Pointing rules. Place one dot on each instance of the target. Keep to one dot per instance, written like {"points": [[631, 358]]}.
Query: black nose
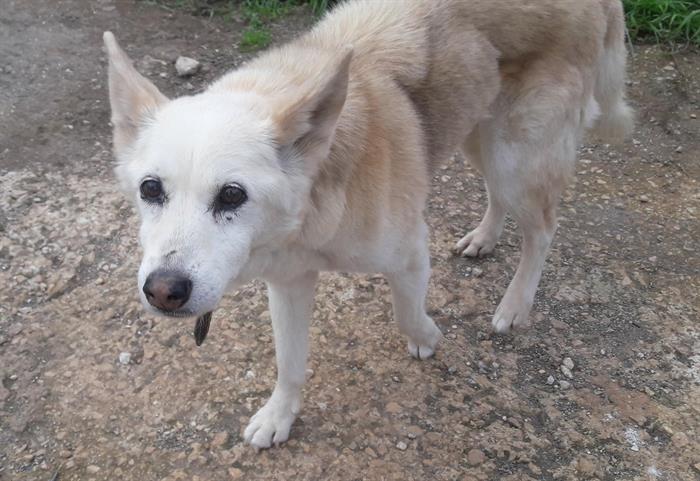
{"points": [[167, 290]]}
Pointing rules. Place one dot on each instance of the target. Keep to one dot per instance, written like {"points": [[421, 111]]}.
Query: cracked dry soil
{"points": [[619, 299]]}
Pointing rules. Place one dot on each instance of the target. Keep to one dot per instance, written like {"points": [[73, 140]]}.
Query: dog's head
{"points": [[218, 177]]}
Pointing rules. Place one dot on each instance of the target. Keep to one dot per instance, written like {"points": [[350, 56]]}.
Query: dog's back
{"points": [[450, 55]]}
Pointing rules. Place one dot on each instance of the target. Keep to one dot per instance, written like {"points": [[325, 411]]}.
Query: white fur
{"points": [[346, 192]]}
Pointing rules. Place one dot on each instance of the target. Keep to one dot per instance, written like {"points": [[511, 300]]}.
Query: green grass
{"points": [[664, 21], [256, 14], [255, 38]]}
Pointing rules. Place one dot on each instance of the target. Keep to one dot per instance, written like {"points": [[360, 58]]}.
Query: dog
{"points": [[317, 155]]}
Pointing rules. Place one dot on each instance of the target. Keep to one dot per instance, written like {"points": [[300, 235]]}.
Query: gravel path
{"points": [[605, 386]]}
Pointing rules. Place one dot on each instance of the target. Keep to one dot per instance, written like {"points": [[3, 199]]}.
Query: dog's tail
{"points": [[616, 119]]}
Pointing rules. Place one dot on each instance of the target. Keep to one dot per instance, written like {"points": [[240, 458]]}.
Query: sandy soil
{"points": [[619, 298]]}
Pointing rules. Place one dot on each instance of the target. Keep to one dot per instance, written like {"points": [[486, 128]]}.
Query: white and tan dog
{"points": [[317, 156]]}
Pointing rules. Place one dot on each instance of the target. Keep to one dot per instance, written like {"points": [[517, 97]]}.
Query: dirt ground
{"points": [[619, 299]]}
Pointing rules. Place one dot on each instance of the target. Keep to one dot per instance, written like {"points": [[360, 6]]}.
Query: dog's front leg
{"points": [[290, 307]]}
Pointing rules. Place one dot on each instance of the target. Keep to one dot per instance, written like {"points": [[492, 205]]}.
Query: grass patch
{"points": [[256, 14], [255, 38], [664, 21]]}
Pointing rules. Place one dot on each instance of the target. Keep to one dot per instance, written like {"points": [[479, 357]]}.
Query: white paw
{"points": [[511, 314], [271, 424], [477, 243], [422, 347]]}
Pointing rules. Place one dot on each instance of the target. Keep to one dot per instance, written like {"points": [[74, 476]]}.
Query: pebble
{"points": [[567, 372], [693, 116], [475, 457], [568, 362], [550, 380], [235, 473], [219, 439], [564, 384], [92, 469], [679, 149], [401, 446], [186, 66], [124, 358], [643, 198]]}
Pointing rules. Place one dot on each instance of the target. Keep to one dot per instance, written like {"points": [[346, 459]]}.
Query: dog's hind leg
{"points": [[409, 286], [528, 179], [483, 239], [290, 307], [537, 221]]}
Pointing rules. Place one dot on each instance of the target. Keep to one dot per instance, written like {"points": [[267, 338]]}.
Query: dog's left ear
{"points": [[132, 97], [308, 124]]}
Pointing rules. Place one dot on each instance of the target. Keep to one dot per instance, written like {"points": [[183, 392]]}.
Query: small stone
{"points": [[235, 473], [219, 439], [679, 439], [585, 465], [401, 446], [475, 457], [566, 372], [693, 116], [550, 380], [564, 384], [679, 149], [65, 454], [92, 469], [124, 358], [643, 198], [249, 375], [186, 66], [568, 362], [476, 272]]}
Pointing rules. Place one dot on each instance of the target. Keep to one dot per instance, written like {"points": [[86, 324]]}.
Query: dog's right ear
{"points": [[132, 97]]}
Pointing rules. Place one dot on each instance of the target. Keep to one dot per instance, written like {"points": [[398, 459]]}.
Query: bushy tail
{"points": [[616, 119]]}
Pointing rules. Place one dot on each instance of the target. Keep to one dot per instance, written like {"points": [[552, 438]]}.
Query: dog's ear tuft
{"points": [[309, 123], [132, 97]]}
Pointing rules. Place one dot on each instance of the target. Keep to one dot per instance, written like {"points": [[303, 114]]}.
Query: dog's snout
{"points": [[167, 290]]}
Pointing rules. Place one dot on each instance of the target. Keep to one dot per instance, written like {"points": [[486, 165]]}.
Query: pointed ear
{"points": [[308, 124], [132, 97]]}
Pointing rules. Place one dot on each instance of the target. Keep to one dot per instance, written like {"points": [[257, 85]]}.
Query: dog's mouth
{"points": [[201, 328]]}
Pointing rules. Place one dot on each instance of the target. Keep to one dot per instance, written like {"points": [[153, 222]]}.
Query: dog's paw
{"points": [[477, 243], [511, 314], [424, 347], [271, 424]]}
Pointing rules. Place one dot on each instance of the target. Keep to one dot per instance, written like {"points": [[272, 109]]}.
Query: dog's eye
{"points": [[152, 191], [230, 197]]}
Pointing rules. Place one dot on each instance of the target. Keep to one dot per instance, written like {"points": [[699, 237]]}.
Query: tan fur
{"points": [[336, 134], [437, 66]]}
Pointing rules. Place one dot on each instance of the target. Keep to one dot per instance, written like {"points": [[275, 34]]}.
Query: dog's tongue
{"points": [[201, 328]]}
